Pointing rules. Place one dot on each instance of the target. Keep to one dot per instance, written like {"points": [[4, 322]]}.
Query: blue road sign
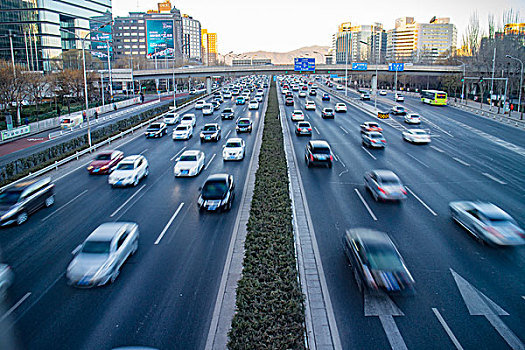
{"points": [[359, 66], [396, 67], [304, 64], [334, 76], [275, 78]]}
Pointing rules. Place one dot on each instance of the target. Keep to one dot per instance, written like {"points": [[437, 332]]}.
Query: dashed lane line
{"points": [[365, 204], [493, 178]]}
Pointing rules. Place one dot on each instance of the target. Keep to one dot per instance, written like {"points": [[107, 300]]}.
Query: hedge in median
{"points": [[270, 309]]}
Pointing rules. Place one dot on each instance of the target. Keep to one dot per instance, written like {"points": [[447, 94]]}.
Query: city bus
{"points": [[434, 97]]}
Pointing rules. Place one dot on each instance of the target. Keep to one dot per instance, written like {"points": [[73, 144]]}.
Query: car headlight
{"points": [[10, 213], [200, 201], [202, 135], [90, 167], [104, 167]]}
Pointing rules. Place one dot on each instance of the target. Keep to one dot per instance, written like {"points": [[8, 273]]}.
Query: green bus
{"points": [[434, 97]]}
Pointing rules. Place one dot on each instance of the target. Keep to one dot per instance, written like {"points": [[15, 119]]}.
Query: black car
{"points": [[326, 97], [156, 130], [227, 113], [318, 152], [313, 92], [244, 125], [376, 261], [288, 101], [328, 113], [17, 202], [217, 193], [210, 132]]}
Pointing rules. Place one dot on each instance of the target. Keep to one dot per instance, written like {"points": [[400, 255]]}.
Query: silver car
{"points": [[487, 222], [99, 259], [385, 185]]}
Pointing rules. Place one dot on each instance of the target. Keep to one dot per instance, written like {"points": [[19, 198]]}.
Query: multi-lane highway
{"points": [[468, 295], [165, 294]]}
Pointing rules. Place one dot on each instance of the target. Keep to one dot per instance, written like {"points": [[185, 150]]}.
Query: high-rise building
{"points": [[423, 43], [191, 38], [129, 35], [35, 28], [209, 48], [364, 43]]}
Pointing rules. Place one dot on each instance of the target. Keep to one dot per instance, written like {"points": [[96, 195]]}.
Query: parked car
{"points": [[303, 128], [244, 125], [100, 258], [217, 193], [318, 152], [182, 132], [227, 113], [327, 113], [19, 201], [376, 262], [370, 126], [373, 139], [416, 136], [487, 222], [105, 161], [190, 163], [171, 118], [129, 171], [156, 130], [340, 108], [210, 132], [233, 149], [384, 185]]}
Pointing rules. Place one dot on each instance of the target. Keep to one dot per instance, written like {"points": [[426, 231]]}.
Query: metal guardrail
{"points": [[108, 141]]}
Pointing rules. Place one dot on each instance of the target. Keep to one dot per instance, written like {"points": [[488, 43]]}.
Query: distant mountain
{"points": [[280, 57]]}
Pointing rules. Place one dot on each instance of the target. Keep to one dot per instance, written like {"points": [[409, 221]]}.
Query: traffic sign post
{"points": [[304, 64]]}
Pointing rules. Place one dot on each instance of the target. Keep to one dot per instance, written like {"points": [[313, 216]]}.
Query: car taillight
{"points": [[382, 190], [331, 157], [403, 190], [311, 157], [309, 129], [373, 141]]}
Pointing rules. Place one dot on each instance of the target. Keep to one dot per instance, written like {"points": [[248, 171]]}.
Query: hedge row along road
{"points": [[270, 310]]}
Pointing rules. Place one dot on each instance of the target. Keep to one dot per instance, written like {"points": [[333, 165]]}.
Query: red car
{"points": [[105, 161]]}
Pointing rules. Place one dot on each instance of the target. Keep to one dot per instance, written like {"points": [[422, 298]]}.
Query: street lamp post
{"points": [[521, 83], [346, 64], [463, 81]]}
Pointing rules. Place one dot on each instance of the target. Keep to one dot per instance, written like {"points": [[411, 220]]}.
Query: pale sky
{"points": [[285, 25]]}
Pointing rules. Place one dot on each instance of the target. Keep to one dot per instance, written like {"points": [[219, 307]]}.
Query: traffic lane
{"points": [[391, 219]]}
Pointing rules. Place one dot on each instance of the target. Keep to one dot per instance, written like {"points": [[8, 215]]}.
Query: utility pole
{"points": [[492, 82], [109, 70], [12, 52], [346, 65]]}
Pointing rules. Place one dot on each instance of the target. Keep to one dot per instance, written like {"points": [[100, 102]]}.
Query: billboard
{"points": [[160, 38], [99, 40]]}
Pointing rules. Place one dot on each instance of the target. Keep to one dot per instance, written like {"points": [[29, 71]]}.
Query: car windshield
{"points": [[96, 247], [244, 122], [373, 125], [9, 197], [328, 110], [154, 127], [188, 158], [181, 128], [376, 136], [188, 119], [214, 190], [384, 258], [321, 150], [125, 166], [390, 181], [419, 132], [103, 157], [209, 128], [303, 125], [228, 110], [233, 144]]}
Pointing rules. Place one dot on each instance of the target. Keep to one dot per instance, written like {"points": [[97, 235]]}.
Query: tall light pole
{"points": [[346, 64], [109, 70], [462, 80], [521, 82], [12, 52]]}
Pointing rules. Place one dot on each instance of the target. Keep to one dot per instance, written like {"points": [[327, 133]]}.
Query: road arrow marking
{"points": [[479, 304], [383, 307]]}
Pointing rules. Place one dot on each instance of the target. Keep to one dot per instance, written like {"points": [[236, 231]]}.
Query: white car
{"points": [[310, 105], [416, 136], [207, 109], [189, 119], [412, 119], [171, 118], [227, 95], [382, 92], [302, 94], [129, 171], [199, 104], [340, 107], [340, 87], [399, 98], [190, 163], [182, 132], [234, 149], [297, 116], [253, 105]]}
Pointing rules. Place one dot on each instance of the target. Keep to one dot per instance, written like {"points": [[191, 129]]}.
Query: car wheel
{"points": [[374, 195], [50, 200], [358, 281], [115, 275], [21, 218]]}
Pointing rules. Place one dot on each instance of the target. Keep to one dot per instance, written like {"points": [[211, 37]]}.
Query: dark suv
{"points": [[288, 101], [19, 201], [227, 113], [318, 152], [211, 132], [217, 193]]}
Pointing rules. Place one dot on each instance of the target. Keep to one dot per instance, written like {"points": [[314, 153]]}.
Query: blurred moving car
{"points": [[487, 222], [105, 161], [416, 136], [340, 108], [233, 149], [310, 106], [244, 125], [182, 132], [190, 163], [171, 118], [210, 132], [99, 259], [327, 113], [399, 98], [156, 130], [398, 110], [227, 113], [373, 139], [382, 92], [217, 193], [297, 115], [376, 262], [339, 87], [303, 128], [370, 126], [318, 152], [188, 119], [6, 280], [384, 185], [19, 201], [129, 171], [412, 119]]}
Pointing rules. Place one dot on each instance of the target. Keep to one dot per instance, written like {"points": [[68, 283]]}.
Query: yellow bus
{"points": [[434, 97]]}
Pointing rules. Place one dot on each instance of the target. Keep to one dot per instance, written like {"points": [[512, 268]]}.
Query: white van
{"points": [[71, 121]]}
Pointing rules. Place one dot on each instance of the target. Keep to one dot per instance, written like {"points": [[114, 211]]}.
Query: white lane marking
{"points": [[437, 127], [335, 157], [370, 154], [447, 329], [144, 151], [342, 172], [207, 165], [494, 178], [392, 333], [62, 207], [417, 160], [343, 164], [72, 171], [228, 134], [127, 201], [169, 223], [13, 308], [365, 204], [461, 161], [317, 131], [437, 149], [216, 117], [421, 201], [175, 156], [505, 332], [344, 130]]}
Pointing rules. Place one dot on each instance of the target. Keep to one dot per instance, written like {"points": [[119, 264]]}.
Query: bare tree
{"points": [[511, 16], [38, 87], [472, 36], [492, 26]]}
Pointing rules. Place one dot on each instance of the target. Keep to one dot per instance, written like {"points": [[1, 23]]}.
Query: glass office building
{"points": [[34, 28]]}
